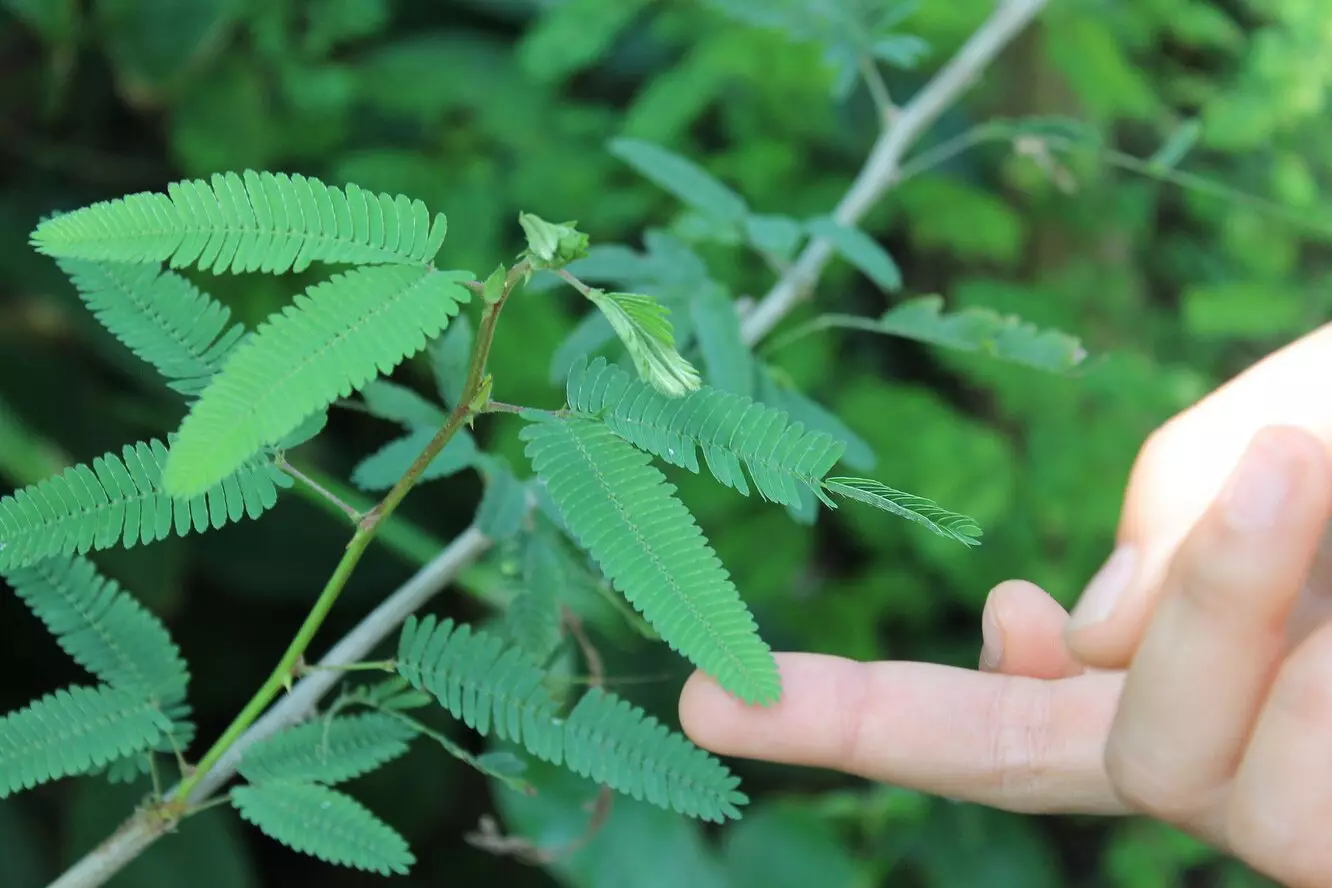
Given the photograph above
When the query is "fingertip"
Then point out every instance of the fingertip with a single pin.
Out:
(702, 705)
(1022, 626)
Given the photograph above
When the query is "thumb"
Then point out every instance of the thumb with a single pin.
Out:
(1178, 473)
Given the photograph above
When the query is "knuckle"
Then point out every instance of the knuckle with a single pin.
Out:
(1145, 787)
(1303, 688)
(1020, 747)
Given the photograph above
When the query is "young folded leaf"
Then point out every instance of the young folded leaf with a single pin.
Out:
(620, 509)
(334, 339)
(781, 455)
(74, 731)
(1005, 337)
(496, 689)
(327, 751)
(160, 316)
(913, 508)
(252, 222)
(642, 324)
(120, 501)
(103, 628)
(324, 823)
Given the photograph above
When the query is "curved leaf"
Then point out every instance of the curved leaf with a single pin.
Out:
(337, 337)
(252, 222)
(621, 510)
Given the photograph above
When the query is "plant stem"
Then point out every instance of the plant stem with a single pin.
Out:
(286, 668)
(878, 90)
(573, 281)
(332, 498)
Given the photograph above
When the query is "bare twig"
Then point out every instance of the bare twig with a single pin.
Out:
(880, 172)
(882, 167)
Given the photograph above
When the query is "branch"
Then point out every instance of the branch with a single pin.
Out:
(145, 827)
(881, 168)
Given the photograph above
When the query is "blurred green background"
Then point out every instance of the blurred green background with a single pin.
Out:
(485, 107)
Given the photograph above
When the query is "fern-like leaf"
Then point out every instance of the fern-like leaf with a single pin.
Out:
(604, 733)
(620, 509)
(334, 339)
(103, 628)
(327, 750)
(160, 316)
(914, 508)
(248, 222)
(495, 689)
(119, 500)
(325, 824)
(731, 430)
(74, 731)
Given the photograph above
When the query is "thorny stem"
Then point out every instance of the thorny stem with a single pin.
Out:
(367, 527)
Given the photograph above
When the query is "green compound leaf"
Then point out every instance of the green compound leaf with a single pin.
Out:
(497, 690)
(397, 403)
(643, 325)
(120, 501)
(914, 508)
(336, 337)
(683, 178)
(252, 222)
(861, 250)
(728, 360)
(103, 628)
(327, 750)
(74, 731)
(386, 466)
(503, 505)
(781, 455)
(325, 824)
(159, 316)
(1005, 337)
(620, 509)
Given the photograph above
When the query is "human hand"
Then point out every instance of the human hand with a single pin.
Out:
(1222, 720)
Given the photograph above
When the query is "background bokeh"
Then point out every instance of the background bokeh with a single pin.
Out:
(483, 108)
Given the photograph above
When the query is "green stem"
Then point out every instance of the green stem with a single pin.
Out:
(365, 534)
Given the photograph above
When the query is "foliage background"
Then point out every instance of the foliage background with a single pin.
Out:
(485, 107)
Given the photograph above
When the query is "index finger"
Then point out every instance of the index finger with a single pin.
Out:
(1010, 742)
(1181, 470)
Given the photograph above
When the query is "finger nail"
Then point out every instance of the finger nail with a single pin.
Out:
(1261, 486)
(1105, 589)
(992, 649)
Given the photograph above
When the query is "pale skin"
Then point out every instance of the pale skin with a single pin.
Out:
(1192, 683)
